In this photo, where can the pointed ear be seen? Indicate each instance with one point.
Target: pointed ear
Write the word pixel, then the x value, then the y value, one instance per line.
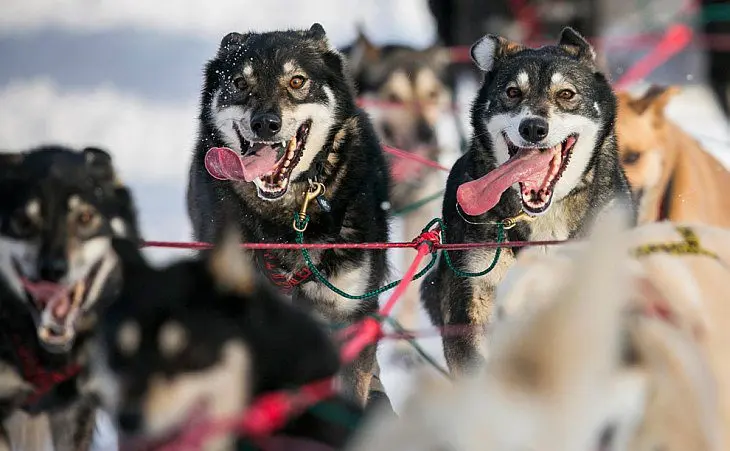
pixel 232 38
pixel 100 165
pixel 362 52
pixel 575 44
pixel 490 48
pixel 317 31
pixel 654 100
pixel 230 267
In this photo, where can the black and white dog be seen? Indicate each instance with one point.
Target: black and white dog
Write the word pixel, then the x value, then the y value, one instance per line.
pixel 278 123
pixel 59 211
pixel 543 150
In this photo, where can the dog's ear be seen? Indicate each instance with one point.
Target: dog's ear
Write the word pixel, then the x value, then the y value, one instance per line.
pixel 100 165
pixel 230 267
pixel 232 39
pixel 10 163
pixel 490 49
pixel 361 54
pixel 317 31
pixel 575 44
pixel 654 100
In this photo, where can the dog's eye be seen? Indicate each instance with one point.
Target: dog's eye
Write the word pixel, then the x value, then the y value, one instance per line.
pixel 393 98
pixel 297 82
pixel 433 95
pixel 85 218
pixel 513 92
pixel 566 94
pixel 240 83
pixel 22 225
pixel 631 157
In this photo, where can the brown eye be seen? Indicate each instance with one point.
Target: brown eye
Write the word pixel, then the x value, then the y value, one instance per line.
pixel 85 218
pixel 513 92
pixel 433 95
pixel 566 94
pixel 393 98
pixel 297 82
pixel 240 83
pixel 631 157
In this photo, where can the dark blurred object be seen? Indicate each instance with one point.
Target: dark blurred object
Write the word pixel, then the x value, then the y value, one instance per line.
pixel 462 22
pixel 715 23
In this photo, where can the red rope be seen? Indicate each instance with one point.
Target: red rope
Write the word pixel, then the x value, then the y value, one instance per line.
pixel 197 245
pixel 403 154
pixel 675 39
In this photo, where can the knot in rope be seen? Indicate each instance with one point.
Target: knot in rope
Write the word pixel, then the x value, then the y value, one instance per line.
pixel 430 237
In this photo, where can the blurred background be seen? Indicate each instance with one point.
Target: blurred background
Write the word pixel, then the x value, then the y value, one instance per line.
pixel 126 75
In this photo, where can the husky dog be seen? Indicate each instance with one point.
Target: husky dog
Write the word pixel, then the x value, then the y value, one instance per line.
pixel 544 149
pixel 408 97
pixel 59 210
pixel 198 340
pixel 580 367
pixel 278 118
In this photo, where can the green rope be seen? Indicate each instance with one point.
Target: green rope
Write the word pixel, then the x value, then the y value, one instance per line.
pixel 414 343
pixel 458 272
pixel 417 204
pixel 716 13
pixel 328 284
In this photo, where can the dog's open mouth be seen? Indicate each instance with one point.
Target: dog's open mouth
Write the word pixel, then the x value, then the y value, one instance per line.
pixel 268 165
pixel 57 308
pixel 536 169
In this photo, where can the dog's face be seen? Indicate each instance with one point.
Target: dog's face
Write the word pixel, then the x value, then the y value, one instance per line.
pixel 194 341
pixel 274 97
pixel 542 112
pixel 409 91
pixel 641 137
pixel 58 214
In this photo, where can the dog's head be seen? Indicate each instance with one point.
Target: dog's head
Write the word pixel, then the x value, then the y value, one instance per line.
pixel 408 90
pixel 275 97
pixel 58 214
pixel 642 141
pixel 541 112
pixel 195 340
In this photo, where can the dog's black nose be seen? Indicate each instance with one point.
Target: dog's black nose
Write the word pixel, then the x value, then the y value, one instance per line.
pixel 52 268
pixel 129 420
pixel 424 132
pixel 266 125
pixel 534 129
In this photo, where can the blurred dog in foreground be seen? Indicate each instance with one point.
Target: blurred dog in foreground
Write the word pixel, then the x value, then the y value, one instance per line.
pixel 616 345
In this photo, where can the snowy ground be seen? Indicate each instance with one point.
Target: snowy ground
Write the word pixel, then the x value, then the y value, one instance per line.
pixel 126 75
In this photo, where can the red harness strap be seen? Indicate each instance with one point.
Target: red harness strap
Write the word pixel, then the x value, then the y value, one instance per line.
pixel 34 372
pixel 285 281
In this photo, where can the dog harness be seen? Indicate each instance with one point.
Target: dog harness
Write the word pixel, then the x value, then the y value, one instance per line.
pixel 282 279
pixel 33 372
pixel 690 245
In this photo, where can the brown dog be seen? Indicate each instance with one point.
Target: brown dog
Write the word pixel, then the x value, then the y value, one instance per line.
pixel 671 175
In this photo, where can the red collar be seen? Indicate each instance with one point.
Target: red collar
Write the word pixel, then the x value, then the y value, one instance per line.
pixel 36 374
pixel 282 279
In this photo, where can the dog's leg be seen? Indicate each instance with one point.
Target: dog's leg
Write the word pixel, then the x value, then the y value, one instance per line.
pixel 73 428
pixel 468 304
pixel 357 375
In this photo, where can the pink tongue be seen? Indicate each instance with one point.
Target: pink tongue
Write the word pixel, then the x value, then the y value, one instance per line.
pixel 223 163
pixel 481 195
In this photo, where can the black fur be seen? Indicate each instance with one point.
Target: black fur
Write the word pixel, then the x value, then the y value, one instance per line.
pixel 453 300
pixel 52 174
pixel 350 164
pixel 287 348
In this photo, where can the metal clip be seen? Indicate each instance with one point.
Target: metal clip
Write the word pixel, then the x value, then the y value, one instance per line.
pixel 521 216
pixel 315 190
